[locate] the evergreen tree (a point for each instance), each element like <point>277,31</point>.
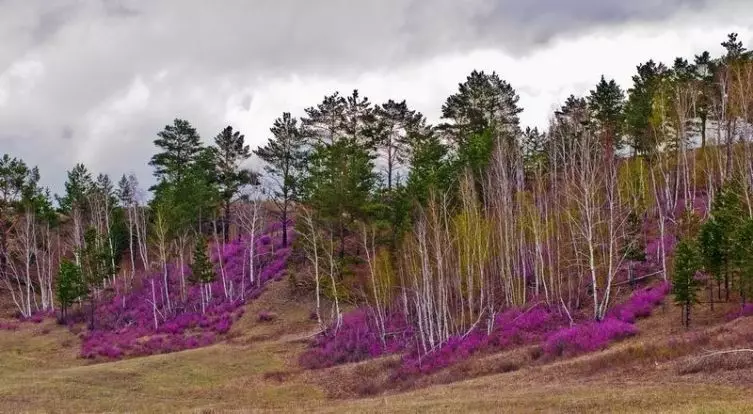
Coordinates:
<point>640,107</point>
<point>358,123</point>
<point>70,286</point>
<point>231,152</point>
<point>285,158</point>
<point>323,124</point>
<point>202,271</point>
<point>684,284</point>
<point>717,237</point>
<point>339,185</point>
<point>734,48</point>
<point>483,103</point>
<point>395,123</point>
<point>78,188</point>
<point>181,147</point>
<point>96,265</point>
<point>430,166</point>
<point>704,73</point>
<point>607,102</point>
<point>743,259</point>
<point>535,155</point>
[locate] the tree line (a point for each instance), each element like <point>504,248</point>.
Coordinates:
<point>447,223</point>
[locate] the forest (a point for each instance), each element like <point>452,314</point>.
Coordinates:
<point>429,241</point>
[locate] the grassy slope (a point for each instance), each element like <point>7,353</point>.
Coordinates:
<point>256,370</point>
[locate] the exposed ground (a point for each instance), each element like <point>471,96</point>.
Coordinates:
<point>660,370</point>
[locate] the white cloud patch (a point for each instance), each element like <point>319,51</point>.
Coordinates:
<point>94,81</point>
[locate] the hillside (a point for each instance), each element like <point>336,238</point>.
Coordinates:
<point>256,369</point>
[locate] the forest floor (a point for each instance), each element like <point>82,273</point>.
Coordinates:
<point>662,369</point>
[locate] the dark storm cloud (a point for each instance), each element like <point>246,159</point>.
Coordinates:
<point>95,80</point>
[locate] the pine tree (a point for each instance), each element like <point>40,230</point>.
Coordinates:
<point>395,122</point>
<point>180,145</point>
<point>96,265</point>
<point>231,152</point>
<point>684,284</point>
<point>607,103</point>
<point>430,166</point>
<point>202,271</point>
<point>704,73</point>
<point>70,286</point>
<point>743,259</point>
<point>285,158</point>
<point>640,106</point>
<point>340,184</point>
<point>484,102</point>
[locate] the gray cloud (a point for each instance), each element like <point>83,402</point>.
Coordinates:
<point>94,80</point>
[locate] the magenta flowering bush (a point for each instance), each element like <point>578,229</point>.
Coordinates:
<point>357,339</point>
<point>587,337</point>
<point>640,304</point>
<point>125,323</point>
<point>512,328</point>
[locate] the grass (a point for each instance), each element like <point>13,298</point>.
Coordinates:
<point>256,371</point>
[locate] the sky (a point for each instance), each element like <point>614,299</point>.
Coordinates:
<point>94,81</point>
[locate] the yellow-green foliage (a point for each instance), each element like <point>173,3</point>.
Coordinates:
<point>384,277</point>
<point>635,183</point>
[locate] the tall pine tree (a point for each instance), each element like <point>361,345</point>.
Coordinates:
<point>285,158</point>
<point>231,152</point>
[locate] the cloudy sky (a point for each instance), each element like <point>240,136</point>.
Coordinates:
<point>93,81</point>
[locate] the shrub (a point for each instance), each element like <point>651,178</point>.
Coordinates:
<point>357,339</point>
<point>587,337</point>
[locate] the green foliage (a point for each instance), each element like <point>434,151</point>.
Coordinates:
<point>483,103</point>
<point>718,236</point>
<point>202,270</point>
<point>430,166</point>
<point>285,158</point>
<point>230,152</point>
<point>96,262</point>
<point>606,103</point>
<point>535,154</point>
<point>743,258</point>
<point>341,178</point>
<point>640,106</point>
<point>181,147</point>
<point>70,285</point>
<point>476,152</point>
<point>684,284</point>
<point>77,188</point>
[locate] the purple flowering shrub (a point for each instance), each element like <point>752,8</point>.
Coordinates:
<point>357,339</point>
<point>512,328</point>
<point>125,322</point>
<point>617,325</point>
<point>587,337</point>
<point>640,304</point>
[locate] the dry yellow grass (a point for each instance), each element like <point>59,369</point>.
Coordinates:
<point>256,371</point>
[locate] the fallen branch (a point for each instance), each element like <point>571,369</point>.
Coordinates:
<point>729,351</point>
